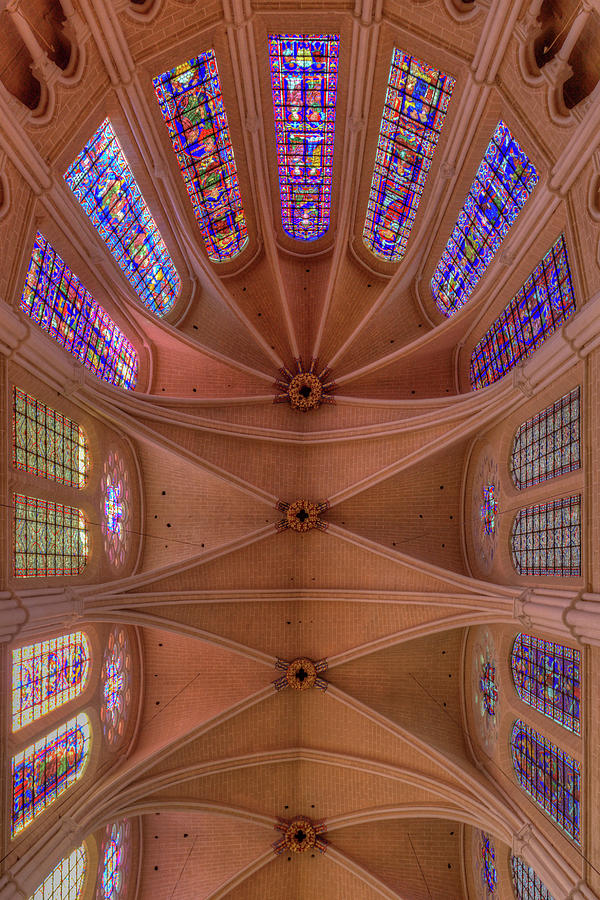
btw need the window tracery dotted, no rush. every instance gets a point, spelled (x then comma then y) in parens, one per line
(489, 873)
(49, 538)
(544, 302)
(65, 882)
(526, 883)
(547, 676)
(114, 861)
(503, 182)
(548, 444)
(191, 103)
(47, 674)
(546, 538)
(116, 687)
(548, 775)
(46, 443)
(57, 301)
(103, 183)
(414, 112)
(304, 82)
(115, 490)
(44, 771)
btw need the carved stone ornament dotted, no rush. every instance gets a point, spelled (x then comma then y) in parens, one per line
(299, 836)
(301, 674)
(301, 515)
(305, 390)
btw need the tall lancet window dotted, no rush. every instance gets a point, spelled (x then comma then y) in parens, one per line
(502, 184)
(546, 538)
(413, 115)
(547, 676)
(526, 883)
(46, 443)
(48, 674)
(57, 301)
(65, 881)
(44, 771)
(191, 103)
(103, 183)
(49, 538)
(545, 301)
(548, 775)
(548, 444)
(304, 81)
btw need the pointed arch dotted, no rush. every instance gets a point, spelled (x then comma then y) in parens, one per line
(547, 676)
(44, 770)
(57, 301)
(49, 538)
(191, 103)
(414, 113)
(103, 183)
(48, 674)
(546, 538)
(503, 182)
(544, 302)
(549, 775)
(65, 881)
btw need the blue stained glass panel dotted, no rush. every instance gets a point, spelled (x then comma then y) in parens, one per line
(526, 883)
(57, 301)
(304, 81)
(191, 103)
(43, 771)
(502, 184)
(547, 676)
(546, 538)
(488, 859)
(545, 301)
(548, 775)
(548, 444)
(103, 183)
(413, 115)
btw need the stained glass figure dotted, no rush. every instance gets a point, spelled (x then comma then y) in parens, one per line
(548, 444)
(191, 103)
(526, 883)
(47, 674)
(502, 184)
(488, 859)
(304, 81)
(545, 301)
(113, 862)
(50, 539)
(65, 882)
(43, 771)
(547, 676)
(46, 443)
(546, 538)
(116, 685)
(413, 116)
(115, 487)
(104, 185)
(488, 688)
(489, 509)
(57, 301)
(548, 775)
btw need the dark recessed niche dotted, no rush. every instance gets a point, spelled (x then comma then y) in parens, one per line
(163, 493)
(195, 327)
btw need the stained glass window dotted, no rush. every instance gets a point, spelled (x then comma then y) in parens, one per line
(546, 538)
(102, 181)
(413, 115)
(116, 685)
(488, 688)
(56, 300)
(47, 674)
(526, 883)
(43, 771)
(50, 539)
(548, 775)
(113, 861)
(545, 301)
(65, 882)
(191, 102)
(547, 676)
(489, 508)
(115, 487)
(502, 184)
(547, 445)
(304, 81)
(488, 860)
(46, 443)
